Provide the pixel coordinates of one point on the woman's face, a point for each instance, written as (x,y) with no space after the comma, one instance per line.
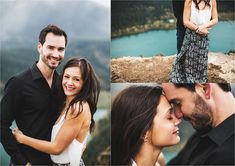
(72,81)
(164,131)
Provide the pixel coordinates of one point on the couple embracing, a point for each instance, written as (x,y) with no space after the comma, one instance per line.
(145,119)
(54,113)
(194,20)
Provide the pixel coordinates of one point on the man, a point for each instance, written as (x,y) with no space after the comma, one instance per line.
(178,8)
(31,98)
(210,108)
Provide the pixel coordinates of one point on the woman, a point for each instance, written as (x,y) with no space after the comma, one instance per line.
(190,65)
(142,124)
(69,134)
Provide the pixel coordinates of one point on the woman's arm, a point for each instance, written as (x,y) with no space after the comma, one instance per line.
(67,133)
(201,29)
(186,16)
(214,16)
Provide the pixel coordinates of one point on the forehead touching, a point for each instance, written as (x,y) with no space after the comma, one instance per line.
(164,106)
(174,93)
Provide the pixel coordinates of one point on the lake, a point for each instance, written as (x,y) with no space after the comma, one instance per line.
(164,41)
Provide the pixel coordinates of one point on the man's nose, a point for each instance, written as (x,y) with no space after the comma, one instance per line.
(177,120)
(55,54)
(178,114)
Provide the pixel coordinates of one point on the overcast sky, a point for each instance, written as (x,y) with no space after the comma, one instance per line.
(83,18)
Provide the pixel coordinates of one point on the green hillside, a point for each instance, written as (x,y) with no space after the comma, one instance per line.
(136,16)
(15,60)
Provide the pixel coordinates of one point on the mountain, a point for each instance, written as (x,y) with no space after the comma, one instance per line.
(85,22)
(97,52)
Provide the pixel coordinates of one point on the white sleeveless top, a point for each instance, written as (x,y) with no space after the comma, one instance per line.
(133,163)
(73,153)
(200,17)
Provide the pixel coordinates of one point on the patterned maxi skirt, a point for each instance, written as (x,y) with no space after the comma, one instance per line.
(190,65)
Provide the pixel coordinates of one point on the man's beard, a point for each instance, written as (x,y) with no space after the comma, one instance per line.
(45,60)
(202,114)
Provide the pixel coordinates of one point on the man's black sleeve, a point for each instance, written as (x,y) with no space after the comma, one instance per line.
(178,9)
(182,157)
(9,104)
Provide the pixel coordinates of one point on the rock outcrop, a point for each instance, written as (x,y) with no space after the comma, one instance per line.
(221,68)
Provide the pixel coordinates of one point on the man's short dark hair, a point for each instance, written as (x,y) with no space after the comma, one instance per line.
(52,29)
(191,87)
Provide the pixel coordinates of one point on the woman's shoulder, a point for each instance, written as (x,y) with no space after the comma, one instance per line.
(80,110)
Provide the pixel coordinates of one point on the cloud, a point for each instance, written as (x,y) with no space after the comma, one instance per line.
(23,19)
(105,3)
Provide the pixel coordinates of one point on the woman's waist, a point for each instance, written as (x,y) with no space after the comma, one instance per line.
(75,147)
(192,37)
(62,158)
(200,19)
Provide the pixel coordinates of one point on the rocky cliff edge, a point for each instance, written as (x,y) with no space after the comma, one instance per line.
(221,68)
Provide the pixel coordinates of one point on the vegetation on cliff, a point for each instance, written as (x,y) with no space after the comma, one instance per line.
(130,17)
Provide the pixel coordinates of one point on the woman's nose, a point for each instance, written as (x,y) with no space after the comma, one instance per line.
(70,82)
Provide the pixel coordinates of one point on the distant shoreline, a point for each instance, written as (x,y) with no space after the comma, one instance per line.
(169,24)
(143,28)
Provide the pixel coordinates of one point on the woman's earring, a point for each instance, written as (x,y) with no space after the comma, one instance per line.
(146,138)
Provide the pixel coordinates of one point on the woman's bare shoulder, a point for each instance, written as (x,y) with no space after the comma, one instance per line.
(79,111)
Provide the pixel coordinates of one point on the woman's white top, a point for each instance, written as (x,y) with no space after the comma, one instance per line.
(200,17)
(133,163)
(73,153)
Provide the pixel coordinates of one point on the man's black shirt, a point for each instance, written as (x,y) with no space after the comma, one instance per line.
(33,105)
(213,147)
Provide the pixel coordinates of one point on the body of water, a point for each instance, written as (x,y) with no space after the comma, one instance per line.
(164,41)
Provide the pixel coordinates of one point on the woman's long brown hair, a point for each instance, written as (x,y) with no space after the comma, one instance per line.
(133,111)
(197,2)
(91,87)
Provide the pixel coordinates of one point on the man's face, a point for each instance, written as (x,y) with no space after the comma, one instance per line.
(189,105)
(52,51)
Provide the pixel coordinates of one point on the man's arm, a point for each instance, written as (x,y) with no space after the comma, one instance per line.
(9,103)
(68,132)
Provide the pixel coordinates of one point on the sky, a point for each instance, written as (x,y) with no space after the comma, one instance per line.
(80,18)
(105,3)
